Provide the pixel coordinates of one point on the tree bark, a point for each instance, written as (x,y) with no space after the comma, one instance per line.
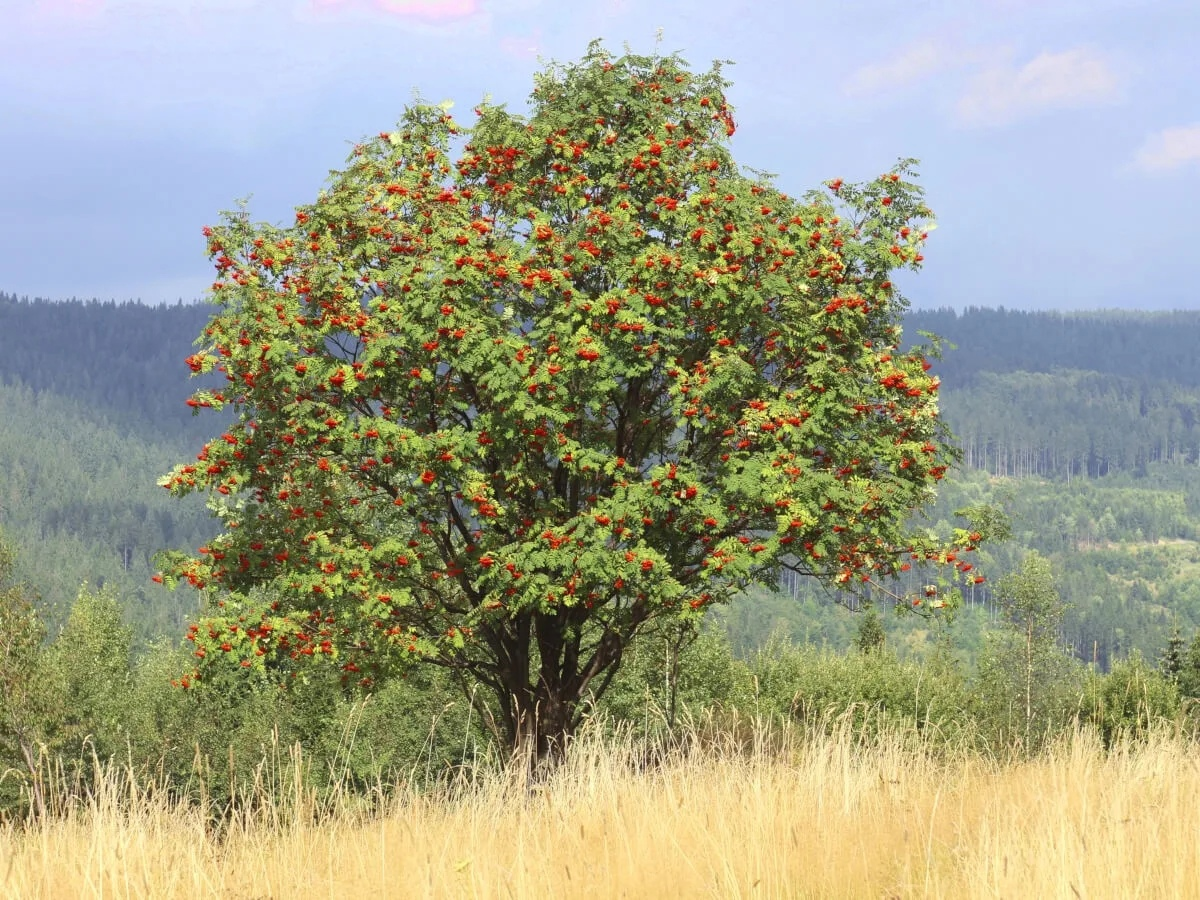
(37,795)
(548,673)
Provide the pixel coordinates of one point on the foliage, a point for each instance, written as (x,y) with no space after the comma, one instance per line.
(1172,661)
(500,412)
(70,703)
(225,743)
(674,675)
(227,732)
(1030,602)
(1122,549)
(1131,701)
(870,637)
(875,692)
(1189,673)
(91,659)
(26,701)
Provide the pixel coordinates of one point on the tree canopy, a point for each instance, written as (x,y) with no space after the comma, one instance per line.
(507,393)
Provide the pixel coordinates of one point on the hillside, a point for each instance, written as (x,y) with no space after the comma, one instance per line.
(1086,427)
(121,361)
(1142,346)
(78,497)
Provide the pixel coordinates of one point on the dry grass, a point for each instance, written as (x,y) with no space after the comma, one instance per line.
(829,818)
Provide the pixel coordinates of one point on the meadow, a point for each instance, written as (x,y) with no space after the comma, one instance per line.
(744,812)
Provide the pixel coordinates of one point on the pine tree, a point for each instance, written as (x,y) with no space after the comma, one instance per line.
(870,636)
(1171,662)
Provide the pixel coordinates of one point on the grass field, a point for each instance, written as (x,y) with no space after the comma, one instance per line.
(830,817)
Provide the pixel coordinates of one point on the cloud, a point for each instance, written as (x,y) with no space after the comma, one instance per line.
(1169,149)
(68,6)
(427,10)
(1070,79)
(522,47)
(914,64)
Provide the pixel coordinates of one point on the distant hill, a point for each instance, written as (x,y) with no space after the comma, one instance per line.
(1072,424)
(78,498)
(1142,346)
(1017,386)
(124,360)
(127,359)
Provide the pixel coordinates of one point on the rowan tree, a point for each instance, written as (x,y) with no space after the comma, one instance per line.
(507,392)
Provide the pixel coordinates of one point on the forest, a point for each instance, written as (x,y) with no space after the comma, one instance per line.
(1090,445)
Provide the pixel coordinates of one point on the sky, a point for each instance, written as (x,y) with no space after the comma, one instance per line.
(1059,140)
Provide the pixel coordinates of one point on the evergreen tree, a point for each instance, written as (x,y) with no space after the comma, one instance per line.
(1172,661)
(870,636)
(1189,672)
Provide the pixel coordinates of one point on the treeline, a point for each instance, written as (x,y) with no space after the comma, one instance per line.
(1072,424)
(1028,393)
(127,359)
(122,361)
(1142,346)
(1069,395)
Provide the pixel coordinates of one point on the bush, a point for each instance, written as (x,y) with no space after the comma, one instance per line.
(1130,700)
(1010,716)
(672,675)
(223,734)
(817,687)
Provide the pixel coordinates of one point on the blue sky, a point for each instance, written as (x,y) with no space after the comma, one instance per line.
(1059,139)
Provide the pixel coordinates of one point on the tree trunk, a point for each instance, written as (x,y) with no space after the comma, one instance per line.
(37,795)
(1028,681)
(672,682)
(548,672)
(544,727)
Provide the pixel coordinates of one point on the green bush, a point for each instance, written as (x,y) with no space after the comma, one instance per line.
(1130,700)
(1024,696)
(92,660)
(225,735)
(672,674)
(817,688)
